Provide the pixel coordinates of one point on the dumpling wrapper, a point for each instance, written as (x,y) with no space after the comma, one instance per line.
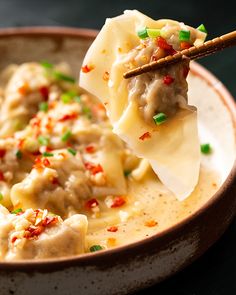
(173,148)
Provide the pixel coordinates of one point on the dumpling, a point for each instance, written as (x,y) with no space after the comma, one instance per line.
(136,106)
(36,234)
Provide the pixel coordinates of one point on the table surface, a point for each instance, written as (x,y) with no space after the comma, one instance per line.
(215,272)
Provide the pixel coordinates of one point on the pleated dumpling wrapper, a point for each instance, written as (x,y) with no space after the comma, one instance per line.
(149,112)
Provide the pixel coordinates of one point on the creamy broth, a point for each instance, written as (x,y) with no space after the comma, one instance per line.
(150,209)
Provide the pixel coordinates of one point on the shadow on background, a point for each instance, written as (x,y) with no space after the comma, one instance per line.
(214,273)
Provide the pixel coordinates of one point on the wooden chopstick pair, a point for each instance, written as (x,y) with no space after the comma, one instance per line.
(194,52)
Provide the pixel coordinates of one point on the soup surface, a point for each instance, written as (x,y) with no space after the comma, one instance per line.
(68,184)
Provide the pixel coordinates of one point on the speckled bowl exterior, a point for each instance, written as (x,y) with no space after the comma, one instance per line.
(128,268)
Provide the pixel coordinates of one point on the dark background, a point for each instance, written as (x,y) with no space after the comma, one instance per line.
(215,272)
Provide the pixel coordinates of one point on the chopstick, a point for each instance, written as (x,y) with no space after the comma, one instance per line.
(194,52)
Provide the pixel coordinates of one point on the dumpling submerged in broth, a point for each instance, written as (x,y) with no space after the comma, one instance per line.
(149,112)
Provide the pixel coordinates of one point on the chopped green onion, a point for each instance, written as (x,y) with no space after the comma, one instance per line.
(43,106)
(72,151)
(1,196)
(43,140)
(202,28)
(16,211)
(87,112)
(127,173)
(46,154)
(63,77)
(184,35)
(159,118)
(206,148)
(19,154)
(153,33)
(95,248)
(68,96)
(66,135)
(77,98)
(46,64)
(142,33)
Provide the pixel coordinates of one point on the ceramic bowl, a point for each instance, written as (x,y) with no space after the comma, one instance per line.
(143,263)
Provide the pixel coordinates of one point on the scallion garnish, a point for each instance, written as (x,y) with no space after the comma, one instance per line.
(159,118)
(47,154)
(43,140)
(66,135)
(202,28)
(1,196)
(127,173)
(206,148)
(62,77)
(72,151)
(184,35)
(17,211)
(46,64)
(19,154)
(68,96)
(87,112)
(43,106)
(142,33)
(95,248)
(153,33)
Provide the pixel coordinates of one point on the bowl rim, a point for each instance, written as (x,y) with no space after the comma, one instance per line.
(88,258)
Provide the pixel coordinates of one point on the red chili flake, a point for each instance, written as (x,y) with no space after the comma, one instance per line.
(94,169)
(106,76)
(55,181)
(36,153)
(185,45)
(23,89)
(13,239)
(145,135)
(50,220)
(66,117)
(185,71)
(90,149)
(33,232)
(38,163)
(118,202)
(46,162)
(150,223)
(112,229)
(168,80)
(2,153)
(44,92)
(20,143)
(36,122)
(49,125)
(2,178)
(91,203)
(161,42)
(87,68)
(36,211)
